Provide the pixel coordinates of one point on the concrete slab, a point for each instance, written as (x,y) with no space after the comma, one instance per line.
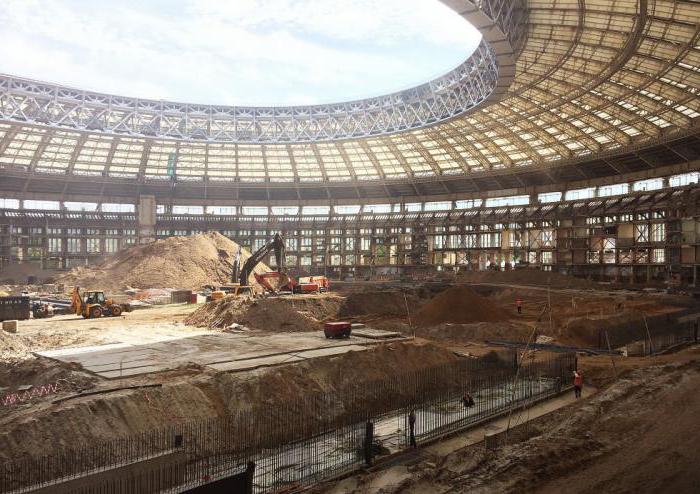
(122,364)
(326,352)
(375,333)
(284,358)
(241,365)
(132,371)
(219,351)
(85,349)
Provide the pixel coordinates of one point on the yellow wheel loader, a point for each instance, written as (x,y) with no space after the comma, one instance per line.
(93,304)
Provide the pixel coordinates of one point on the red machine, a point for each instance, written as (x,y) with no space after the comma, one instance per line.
(339,329)
(323,284)
(276,281)
(307,288)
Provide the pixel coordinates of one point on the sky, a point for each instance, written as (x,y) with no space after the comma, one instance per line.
(234,52)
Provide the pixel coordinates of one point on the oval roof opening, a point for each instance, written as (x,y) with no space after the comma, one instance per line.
(247,52)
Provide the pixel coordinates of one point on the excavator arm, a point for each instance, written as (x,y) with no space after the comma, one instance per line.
(76,301)
(235,268)
(276,245)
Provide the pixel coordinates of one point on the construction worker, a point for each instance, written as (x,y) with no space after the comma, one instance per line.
(578,383)
(519,305)
(467,400)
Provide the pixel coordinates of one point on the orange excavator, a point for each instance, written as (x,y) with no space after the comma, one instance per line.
(282,282)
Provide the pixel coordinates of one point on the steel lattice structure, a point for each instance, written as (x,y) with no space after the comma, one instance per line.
(577,82)
(461,90)
(464,88)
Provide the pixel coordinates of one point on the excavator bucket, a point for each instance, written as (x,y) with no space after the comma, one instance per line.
(274,281)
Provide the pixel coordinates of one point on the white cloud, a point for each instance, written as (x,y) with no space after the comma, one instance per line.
(235,52)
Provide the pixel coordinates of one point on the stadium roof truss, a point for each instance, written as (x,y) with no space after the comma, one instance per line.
(553,82)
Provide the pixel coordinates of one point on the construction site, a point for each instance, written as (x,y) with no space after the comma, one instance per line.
(493,293)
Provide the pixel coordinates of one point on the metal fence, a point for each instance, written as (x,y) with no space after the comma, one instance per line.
(307,440)
(641,327)
(655,342)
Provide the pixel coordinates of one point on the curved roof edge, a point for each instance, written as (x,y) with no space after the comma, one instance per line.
(485,76)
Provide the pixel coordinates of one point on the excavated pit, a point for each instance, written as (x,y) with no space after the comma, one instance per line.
(194,394)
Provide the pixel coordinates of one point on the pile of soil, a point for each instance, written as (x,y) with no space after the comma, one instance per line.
(285,313)
(38,371)
(458,304)
(175,262)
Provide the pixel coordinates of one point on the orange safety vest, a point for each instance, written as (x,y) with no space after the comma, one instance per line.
(578,379)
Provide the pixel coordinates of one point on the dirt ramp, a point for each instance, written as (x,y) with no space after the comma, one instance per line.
(287,313)
(175,262)
(459,304)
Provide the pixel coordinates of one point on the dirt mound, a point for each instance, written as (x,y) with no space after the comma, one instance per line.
(458,304)
(378,303)
(40,371)
(535,277)
(175,262)
(287,313)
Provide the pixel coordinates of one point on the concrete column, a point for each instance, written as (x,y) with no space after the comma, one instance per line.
(146,210)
